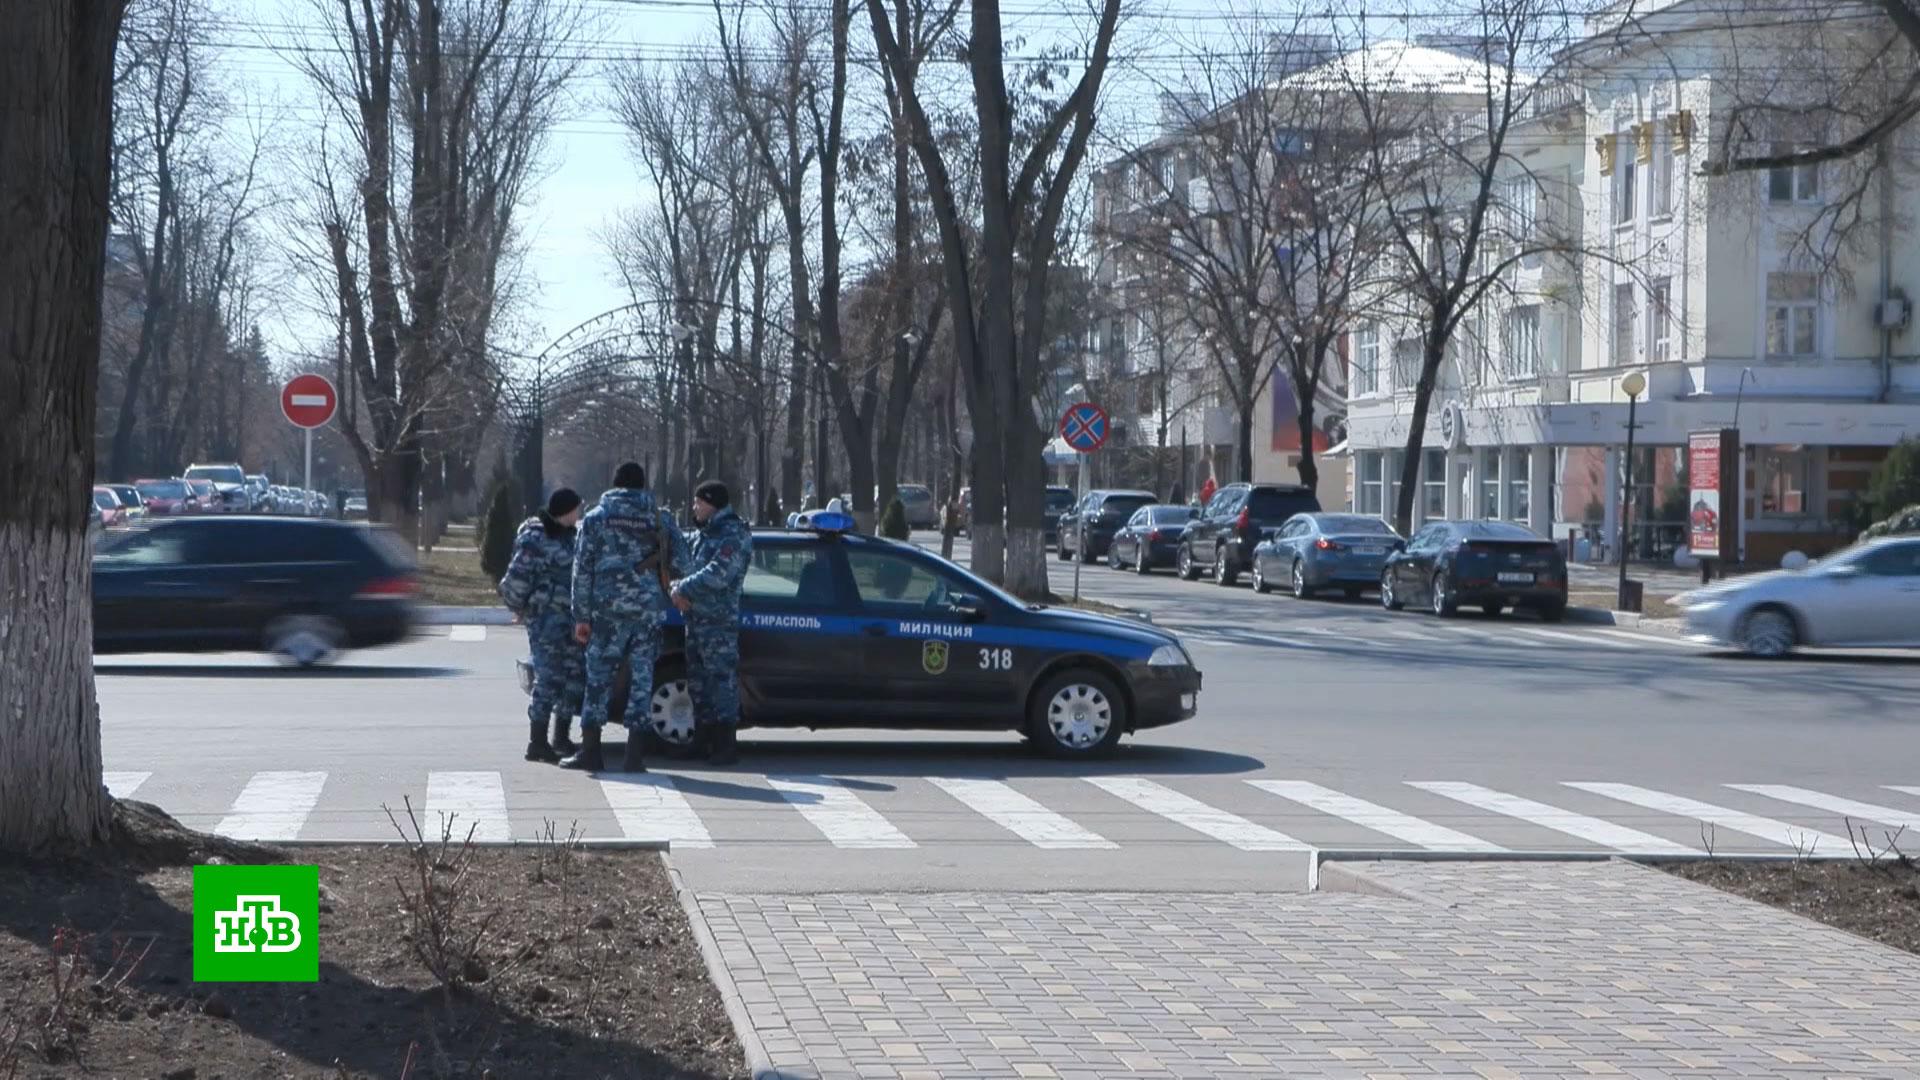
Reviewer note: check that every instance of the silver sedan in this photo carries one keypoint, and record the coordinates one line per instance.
(1865, 597)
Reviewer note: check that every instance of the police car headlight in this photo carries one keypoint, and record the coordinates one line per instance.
(1169, 656)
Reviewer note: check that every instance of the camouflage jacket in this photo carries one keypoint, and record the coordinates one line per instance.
(719, 563)
(612, 575)
(539, 579)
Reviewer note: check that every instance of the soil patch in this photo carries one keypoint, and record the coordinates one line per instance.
(588, 969)
(1880, 902)
(1651, 606)
(455, 578)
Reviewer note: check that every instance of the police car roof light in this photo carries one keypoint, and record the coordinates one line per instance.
(830, 521)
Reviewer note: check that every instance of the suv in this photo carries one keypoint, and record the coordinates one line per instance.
(229, 480)
(1223, 537)
(1086, 531)
(1060, 499)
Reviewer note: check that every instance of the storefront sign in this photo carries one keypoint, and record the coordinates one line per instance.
(1713, 495)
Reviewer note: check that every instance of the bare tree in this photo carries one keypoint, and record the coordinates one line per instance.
(1027, 164)
(56, 120)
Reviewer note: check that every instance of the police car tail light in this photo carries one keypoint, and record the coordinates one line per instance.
(394, 588)
(1245, 519)
(1153, 536)
(1325, 544)
(1169, 656)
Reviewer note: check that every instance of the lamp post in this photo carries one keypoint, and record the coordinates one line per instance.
(1633, 386)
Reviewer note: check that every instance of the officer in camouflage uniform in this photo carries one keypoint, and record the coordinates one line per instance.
(538, 587)
(709, 597)
(626, 552)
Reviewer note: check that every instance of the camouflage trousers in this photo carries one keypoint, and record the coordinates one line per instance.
(559, 667)
(634, 642)
(713, 671)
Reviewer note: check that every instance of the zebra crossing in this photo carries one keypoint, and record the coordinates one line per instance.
(1414, 633)
(1087, 813)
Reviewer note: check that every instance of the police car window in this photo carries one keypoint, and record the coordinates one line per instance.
(884, 579)
(792, 575)
(144, 547)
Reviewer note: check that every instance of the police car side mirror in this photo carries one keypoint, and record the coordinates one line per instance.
(966, 607)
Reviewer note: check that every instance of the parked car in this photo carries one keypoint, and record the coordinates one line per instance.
(166, 498)
(107, 509)
(1325, 551)
(316, 504)
(229, 484)
(917, 501)
(355, 508)
(259, 494)
(1494, 565)
(1234, 522)
(1864, 597)
(130, 501)
(1086, 529)
(1150, 538)
(1060, 499)
(302, 590)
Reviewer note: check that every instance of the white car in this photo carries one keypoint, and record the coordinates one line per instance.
(1865, 597)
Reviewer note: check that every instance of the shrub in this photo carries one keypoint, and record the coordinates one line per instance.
(496, 539)
(1896, 481)
(893, 523)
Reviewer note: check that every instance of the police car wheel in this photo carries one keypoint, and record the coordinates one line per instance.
(670, 722)
(1077, 713)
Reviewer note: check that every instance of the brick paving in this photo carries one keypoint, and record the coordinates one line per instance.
(1497, 970)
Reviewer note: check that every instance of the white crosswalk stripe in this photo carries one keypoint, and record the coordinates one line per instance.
(1852, 808)
(468, 803)
(1720, 817)
(833, 808)
(1655, 639)
(467, 633)
(1578, 639)
(1591, 829)
(649, 806)
(1400, 826)
(122, 785)
(1903, 789)
(1200, 817)
(273, 806)
(1021, 815)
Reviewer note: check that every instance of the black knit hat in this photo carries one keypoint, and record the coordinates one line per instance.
(562, 502)
(714, 494)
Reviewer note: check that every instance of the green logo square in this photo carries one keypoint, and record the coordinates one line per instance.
(256, 924)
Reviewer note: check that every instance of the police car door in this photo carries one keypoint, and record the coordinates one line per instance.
(798, 657)
(922, 655)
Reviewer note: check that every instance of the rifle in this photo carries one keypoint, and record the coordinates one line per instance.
(657, 563)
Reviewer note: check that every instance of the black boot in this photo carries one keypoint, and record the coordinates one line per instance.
(560, 743)
(537, 748)
(722, 747)
(635, 757)
(588, 759)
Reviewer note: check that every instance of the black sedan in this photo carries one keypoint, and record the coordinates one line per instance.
(1150, 538)
(840, 630)
(299, 589)
(1087, 529)
(1493, 565)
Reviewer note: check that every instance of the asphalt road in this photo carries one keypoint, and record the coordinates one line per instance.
(1323, 724)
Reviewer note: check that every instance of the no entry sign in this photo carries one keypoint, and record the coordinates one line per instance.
(308, 401)
(1084, 427)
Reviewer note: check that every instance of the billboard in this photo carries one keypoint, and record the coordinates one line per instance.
(1713, 493)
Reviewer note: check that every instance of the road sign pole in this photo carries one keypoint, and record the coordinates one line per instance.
(308, 486)
(1080, 541)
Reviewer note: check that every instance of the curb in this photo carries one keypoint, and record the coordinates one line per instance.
(1603, 617)
(440, 615)
(1345, 877)
(759, 1062)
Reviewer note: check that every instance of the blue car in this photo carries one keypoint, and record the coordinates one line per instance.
(1319, 551)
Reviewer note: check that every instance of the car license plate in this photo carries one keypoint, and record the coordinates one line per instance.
(1369, 551)
(1515, 577)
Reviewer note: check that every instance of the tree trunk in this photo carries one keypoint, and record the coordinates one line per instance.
(1417, 434)
(56, 115)
(1309, 466)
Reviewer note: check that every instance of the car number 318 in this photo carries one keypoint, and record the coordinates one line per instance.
(996, 659)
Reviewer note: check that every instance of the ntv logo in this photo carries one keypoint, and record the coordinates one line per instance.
(256, 924)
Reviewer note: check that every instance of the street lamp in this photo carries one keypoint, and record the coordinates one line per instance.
(1633, 386)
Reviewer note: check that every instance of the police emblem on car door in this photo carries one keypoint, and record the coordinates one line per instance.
(933, 657)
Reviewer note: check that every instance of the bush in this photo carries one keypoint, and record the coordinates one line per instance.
(1896, 481)
(496, 535)
(893, 523)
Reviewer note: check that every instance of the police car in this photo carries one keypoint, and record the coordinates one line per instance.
(843, 630)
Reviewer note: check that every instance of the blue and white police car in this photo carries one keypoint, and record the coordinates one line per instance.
(843, 630)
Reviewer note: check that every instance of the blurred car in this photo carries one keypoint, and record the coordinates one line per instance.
(1864, 597)
(301, 590)
(229, 482)
(1060, 499)
(1493, 565)
(1234, 522)
(316, 504)
(1325, 551)
(130, 501)
(917, 501)
(95, 523)
(206, 498)
(1150, 538)
(1085, 529)
(106, 506)
(355, 508)
(166, 498)
(259, 494)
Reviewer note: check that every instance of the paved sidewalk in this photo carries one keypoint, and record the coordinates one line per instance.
(1536, 971)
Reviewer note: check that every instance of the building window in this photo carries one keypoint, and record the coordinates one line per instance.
(1625, 192)
(1785, 474)
(1519, 483)
(1622, 325)
(1433, 484)
(1523, 209)
(1366, 359)
(1407, 360)
(1660, 178)
(1523, 342)
(1793, 183)
(1660, 320)
(1490, 483)
(1372, 484)
(1793, 314)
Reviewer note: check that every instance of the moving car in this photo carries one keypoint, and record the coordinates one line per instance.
(1494, 565)
(166, 498)
(1325, 551)
(917, 501)
(1060, 499)
(1234, 522)
(1150, 538)
(301, 590)
(843, 630)
(1864, 597)
(1087, 528)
